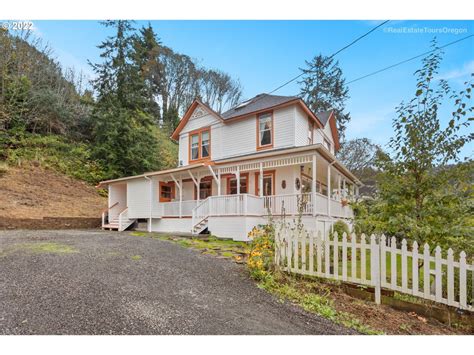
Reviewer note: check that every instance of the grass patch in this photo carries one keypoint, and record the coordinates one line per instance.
(138, 234)
(136, 257)
(45, 248)
(211, 246)
(313, 297)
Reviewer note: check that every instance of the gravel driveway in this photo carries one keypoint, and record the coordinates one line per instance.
(95, 282)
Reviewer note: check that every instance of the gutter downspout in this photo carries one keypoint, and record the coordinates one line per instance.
(151, 201)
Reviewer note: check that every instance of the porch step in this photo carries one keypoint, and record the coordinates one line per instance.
(114, 224)
(201, 226)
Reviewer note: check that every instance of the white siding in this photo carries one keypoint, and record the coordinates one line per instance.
(237, 138)
(203, 121)
(236, 228)
(138, 198)
(301, 127)
(117, 193)
(170, 225)
(284, 127)
(183, 149)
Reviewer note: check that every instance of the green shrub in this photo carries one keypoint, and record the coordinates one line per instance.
(340, 227)
(55, 152)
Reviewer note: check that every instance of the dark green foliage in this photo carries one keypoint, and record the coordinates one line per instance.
(323, 88)
(35, 94)
(51, 151)
(424, 192)
(121, 125)
(122, 131)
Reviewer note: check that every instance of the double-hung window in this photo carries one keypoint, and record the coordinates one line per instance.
(265, 130)
(200, 145)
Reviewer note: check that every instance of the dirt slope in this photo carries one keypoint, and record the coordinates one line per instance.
(32, 192)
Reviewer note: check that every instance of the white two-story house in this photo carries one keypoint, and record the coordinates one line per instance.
(268, 155)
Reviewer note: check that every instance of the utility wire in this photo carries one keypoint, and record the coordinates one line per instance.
(334, 54)
(407, 60)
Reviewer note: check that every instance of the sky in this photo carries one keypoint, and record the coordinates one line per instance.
(262, 55)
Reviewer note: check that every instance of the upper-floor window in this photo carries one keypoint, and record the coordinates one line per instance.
(327, 144)
(265, 130)
(310, 132)
(200, 144)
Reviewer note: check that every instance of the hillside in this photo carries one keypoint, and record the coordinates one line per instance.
(34, 192)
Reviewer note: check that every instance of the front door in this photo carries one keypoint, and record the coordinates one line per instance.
(268, 183)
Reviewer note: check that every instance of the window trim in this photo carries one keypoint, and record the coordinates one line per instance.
(199, 133)
(266, 146)
(204, 179)
(233, 176)
(173, 191)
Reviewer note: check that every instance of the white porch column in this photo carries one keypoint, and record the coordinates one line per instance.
(198, 187)
(237, 176)
(151, 202)
(180, 187)
(329, 190)
(180, 197)
(216, 178)
(313, 185)
(344, 187)
(339, 194)
(260, 181)
(219, 182)
(196, 183)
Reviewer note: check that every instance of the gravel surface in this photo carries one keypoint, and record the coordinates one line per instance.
(96, 282)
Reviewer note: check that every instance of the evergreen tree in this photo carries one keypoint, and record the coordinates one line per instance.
(323, 88)
(123, 133)
(146, 56)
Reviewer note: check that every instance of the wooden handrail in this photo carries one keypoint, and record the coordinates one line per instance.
(109, 208)
(122, 211)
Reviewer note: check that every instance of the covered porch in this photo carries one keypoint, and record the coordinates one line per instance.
(306, 182)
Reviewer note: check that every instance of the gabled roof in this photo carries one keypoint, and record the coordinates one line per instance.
(188, 114)
(257, 103)
(326, 117)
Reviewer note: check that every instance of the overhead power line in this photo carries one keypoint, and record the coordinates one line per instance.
(408, 60)
(331, 56)
(334, 54)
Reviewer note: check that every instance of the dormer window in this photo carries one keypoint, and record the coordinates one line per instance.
(200, 145)
(265, 130)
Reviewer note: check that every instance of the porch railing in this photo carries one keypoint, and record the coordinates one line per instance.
(247, 204)
(172, 209)
(106, 214)
(288, 204)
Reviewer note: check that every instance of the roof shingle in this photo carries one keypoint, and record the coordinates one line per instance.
(257, 103)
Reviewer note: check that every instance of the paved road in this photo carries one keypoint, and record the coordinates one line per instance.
(121, 284)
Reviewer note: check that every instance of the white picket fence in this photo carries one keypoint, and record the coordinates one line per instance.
(378, 263)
